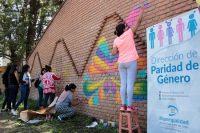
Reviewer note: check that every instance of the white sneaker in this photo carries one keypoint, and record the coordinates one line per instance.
(59, 118)
(13, 112)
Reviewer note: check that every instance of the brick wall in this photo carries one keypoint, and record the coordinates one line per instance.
(77, 43)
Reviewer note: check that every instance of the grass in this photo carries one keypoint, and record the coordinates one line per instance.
(10, 124)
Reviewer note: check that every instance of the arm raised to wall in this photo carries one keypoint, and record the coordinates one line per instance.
(135, 27)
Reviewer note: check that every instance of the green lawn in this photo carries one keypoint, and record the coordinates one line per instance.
(10, 124)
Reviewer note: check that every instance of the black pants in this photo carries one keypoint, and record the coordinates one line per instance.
(46, 98)
(40, 98)
(5, 102)
(12, 90)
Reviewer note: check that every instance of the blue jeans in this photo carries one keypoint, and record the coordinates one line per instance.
(25, 90)
(127, 73)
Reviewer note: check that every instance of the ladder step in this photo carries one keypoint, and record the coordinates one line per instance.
(124, 128)
(129, 121)
(133, 128)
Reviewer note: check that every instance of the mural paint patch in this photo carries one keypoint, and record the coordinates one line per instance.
(97, 91)
(103, 61)
(134, 14)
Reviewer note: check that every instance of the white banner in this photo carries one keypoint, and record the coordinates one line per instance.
(173, 50)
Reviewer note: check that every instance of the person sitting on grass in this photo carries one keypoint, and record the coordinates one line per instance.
(66, 101)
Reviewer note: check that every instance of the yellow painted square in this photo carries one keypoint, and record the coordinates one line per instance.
(198, 2)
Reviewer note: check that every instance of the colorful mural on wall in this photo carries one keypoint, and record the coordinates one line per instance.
(134, 14)
(140, 90)
(98, 90)
(104, 63)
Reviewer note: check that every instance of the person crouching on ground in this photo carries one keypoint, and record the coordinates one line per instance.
(49, 88)
(66, 101)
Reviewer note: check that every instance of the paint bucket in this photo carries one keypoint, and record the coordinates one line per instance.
(105, 125)
(101, 120)
(112, 124)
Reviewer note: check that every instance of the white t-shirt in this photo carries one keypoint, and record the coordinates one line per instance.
(27, 78)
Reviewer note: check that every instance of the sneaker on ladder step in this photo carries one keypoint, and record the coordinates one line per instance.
(123, 108)
(131, 108)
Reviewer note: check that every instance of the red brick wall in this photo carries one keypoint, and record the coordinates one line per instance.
(71, 41)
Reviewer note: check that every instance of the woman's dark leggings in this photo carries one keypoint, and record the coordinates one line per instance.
(12, 91)
(40, 98)
(6, 98)
(48, 96)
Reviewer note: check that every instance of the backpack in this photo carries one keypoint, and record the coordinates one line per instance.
(37, 82)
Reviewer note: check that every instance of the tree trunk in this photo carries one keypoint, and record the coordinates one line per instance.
(33, 16)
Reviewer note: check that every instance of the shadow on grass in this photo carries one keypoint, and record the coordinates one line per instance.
(77, 124)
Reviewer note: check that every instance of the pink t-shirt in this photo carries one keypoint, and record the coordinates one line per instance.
(126, 47)
(48, 82)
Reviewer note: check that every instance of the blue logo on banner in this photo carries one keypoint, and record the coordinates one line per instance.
(173, 110)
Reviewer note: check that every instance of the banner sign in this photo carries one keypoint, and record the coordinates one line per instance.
(173, 50)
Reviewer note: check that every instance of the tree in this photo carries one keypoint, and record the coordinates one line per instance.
(22, 23)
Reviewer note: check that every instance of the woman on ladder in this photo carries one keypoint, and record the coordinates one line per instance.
(124, 44)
